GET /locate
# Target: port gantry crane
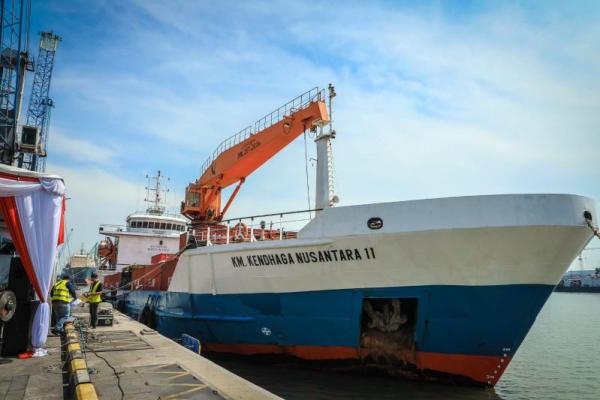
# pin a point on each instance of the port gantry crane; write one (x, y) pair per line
(40, 103)
(14, 62)
(23, 145)
(243, 153)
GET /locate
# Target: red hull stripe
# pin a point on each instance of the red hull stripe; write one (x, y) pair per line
(484, 369)
(304, 352)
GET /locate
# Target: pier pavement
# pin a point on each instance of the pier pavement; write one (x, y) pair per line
(124, 361)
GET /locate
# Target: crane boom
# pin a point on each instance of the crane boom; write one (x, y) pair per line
(242, 154)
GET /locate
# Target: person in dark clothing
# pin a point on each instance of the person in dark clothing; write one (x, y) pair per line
(94, 297)
(62, 294)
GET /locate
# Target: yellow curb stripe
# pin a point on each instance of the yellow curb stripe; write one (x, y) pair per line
(78, 370)
(73, 347)
(85, 391)
(78, 363)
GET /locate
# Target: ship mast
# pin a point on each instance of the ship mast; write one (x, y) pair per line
(325, 196)
(155, 194)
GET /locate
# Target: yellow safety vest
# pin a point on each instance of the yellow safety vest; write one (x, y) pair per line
(60, 292)
(95, 298)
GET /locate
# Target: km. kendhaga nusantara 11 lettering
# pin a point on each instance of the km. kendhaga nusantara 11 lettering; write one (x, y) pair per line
(304, 257)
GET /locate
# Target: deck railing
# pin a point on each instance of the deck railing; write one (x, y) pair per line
(279, 226)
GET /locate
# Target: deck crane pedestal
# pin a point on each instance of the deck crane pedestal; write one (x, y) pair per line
(243, 153)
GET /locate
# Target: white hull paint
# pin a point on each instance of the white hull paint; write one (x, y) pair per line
(478, 240)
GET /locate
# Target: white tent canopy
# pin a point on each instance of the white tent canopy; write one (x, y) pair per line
(32, 207)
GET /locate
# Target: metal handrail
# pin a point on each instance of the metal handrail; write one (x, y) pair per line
(298, 103)
(281, 214)
(233, 230)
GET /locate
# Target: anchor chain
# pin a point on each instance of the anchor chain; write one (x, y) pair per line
(588, 220)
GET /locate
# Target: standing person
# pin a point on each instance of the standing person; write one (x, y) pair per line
(62, 293)
(94, 297)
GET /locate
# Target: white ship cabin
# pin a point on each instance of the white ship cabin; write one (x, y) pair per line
(146, 233)
(160, 224)
(144, 236)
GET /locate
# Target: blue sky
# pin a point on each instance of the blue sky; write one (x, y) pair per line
(434, 98)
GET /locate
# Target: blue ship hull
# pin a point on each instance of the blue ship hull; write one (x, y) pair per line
(473, 330)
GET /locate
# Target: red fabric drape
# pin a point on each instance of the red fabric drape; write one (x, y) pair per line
(61, 229)
(8, 208)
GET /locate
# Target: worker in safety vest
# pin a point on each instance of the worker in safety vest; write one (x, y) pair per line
(94, 297)
(61, 295)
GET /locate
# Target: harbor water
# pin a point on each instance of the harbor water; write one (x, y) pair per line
(559, 359)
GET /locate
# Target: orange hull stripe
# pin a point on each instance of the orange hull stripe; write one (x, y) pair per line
(484, 369)
(304, 352)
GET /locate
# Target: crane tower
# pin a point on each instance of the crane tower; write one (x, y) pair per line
(14, 61)
(40, 103)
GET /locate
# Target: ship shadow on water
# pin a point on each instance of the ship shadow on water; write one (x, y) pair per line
(293, 381)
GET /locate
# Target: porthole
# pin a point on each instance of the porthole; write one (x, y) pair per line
(375, 223)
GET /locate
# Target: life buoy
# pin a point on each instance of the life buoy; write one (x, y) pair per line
(239, 231)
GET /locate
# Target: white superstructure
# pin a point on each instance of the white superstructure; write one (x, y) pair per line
(146, 233)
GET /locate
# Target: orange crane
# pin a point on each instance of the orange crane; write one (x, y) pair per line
(243, 153)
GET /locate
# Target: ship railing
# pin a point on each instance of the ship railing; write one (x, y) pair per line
(299, 103)
(146, 213)
(281, 226)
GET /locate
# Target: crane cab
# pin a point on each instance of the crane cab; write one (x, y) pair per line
(202, 204)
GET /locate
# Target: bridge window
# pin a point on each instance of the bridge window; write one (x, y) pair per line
(163, 225)
(145, 224)
(169, 226)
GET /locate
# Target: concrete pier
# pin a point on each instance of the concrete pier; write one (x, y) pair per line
(33, 378)
(125, 361)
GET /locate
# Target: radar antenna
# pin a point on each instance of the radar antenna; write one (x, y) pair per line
(156, 194)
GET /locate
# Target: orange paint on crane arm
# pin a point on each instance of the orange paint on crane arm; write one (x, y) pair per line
(246, 157)
(241, 160)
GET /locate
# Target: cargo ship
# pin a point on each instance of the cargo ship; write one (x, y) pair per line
(437, 289)
(80, 268)
(584, 281)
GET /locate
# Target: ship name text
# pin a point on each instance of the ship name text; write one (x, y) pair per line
(304, 257)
